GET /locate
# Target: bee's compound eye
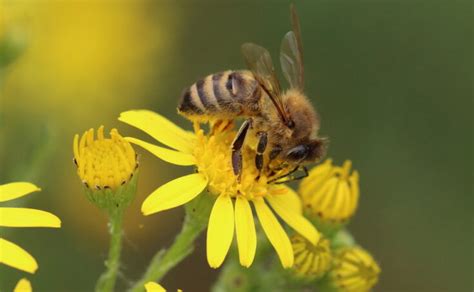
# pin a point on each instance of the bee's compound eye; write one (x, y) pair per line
(297, 153)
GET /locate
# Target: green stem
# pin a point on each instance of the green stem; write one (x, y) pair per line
(106, 282)
(165, 260)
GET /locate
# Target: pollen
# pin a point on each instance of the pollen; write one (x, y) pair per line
(213, 160)
(104, 163)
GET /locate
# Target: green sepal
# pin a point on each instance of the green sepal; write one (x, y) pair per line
(112, 199)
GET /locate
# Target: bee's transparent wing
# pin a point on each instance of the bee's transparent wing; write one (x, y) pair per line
(291, 53)
(259, 61)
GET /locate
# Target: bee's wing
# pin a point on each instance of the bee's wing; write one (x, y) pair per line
(259, 61)
(291, 53)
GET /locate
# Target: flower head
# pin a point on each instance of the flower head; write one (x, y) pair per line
(10, 253)
(354, 269)
(330, 194)
(106, 167)
(311, 261)
(210, 154)
(103, 162)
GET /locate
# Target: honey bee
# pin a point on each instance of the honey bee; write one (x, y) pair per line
(285, 123)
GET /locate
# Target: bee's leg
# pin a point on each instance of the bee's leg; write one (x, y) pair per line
(262, 145)
(215, 126)
(237, 148)
(290, 177)
(273, 154)
(275, 151)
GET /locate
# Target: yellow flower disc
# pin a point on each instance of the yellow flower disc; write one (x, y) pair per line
(213, 160)
(104, 163)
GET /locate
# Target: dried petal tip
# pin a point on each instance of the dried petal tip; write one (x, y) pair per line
(330, 194)
(354, 269)
(311, 261)
(105, 166)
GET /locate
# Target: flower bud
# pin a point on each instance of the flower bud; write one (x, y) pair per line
(311, 261)
(107, 167)
(353, 269)
(330, 195)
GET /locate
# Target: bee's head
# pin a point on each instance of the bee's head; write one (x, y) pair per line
(312, 150)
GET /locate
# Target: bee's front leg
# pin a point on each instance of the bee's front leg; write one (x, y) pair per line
(262, 145)
(237, 148)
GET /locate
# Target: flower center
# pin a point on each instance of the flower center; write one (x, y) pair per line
(213, 160)
(104, 162)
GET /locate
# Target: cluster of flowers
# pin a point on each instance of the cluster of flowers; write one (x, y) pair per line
(318, 250)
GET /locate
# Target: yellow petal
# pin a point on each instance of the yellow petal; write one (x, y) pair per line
(25, 217)
(245, 231)
(15, 190)
(275, 233)
(16, 257)
(159, 128)
(171, 156)
(154, 287)
(355, 192)
(174, 193)
(294, 219)
(23, 286)
(293, 201)
(220, 231)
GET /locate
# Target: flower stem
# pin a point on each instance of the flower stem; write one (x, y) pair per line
(106, 282)
(165, 260)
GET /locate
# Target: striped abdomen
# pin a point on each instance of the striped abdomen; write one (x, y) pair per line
(223, 95)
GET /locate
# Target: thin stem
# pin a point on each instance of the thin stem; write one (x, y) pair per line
(106, 282)
(165, 260)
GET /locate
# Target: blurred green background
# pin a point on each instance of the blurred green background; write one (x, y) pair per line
(392, 81)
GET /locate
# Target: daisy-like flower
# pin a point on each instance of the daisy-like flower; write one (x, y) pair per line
(311, 261)
(330, 193)
(210, 154)
(354, 270)
(10, 253)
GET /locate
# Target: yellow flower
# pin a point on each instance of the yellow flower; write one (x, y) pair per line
(23, 286)
(106, 167)
(10, 253)
(354, 270)
(311, 261)
(104, 162)
(330, 193)
(155, 287)
(211, 156)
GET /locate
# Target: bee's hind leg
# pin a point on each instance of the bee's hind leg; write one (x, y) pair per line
(262, 145)
(221, 126)
(237, 148)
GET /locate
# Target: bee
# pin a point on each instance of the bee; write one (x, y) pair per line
(285, 123)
